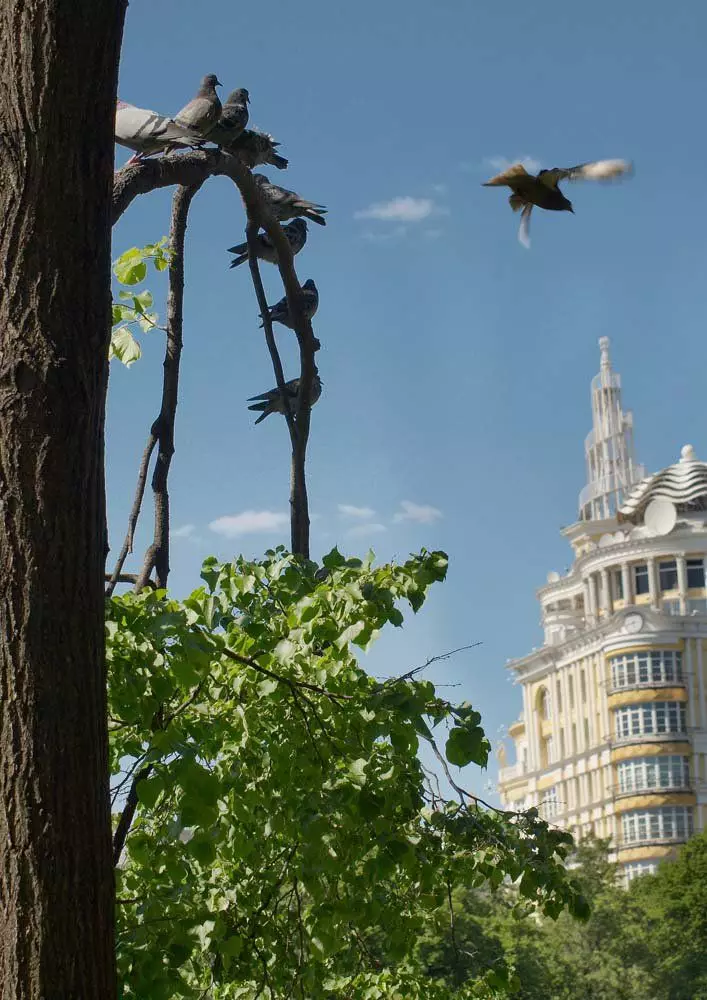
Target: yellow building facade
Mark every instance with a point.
(612, 738)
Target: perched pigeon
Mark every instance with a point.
(272, 401)
(203, 111)
(146, 132)
(233, 120)
(296, 233)
(280, 312)
(255, 149)
(288, 204)
(543, 190)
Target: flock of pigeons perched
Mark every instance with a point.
(204, 119)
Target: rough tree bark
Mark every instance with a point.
(58, 77)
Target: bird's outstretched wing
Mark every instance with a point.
(597, 170)
(509, 175)
(524, 231)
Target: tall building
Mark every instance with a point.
(612, 738)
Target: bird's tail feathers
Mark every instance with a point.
(278, 161)
(516, 202)
(239, 260)
(315, 215)
(238, 248)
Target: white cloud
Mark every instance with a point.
(401, 209)
(499, 163)
(419, 513)
(439, 188)
(250, 522)
(363, 513)
(363, 530)
(185, 531)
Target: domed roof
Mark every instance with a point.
(683, 484)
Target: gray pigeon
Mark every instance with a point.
(233, 120)
(296, 233)
(257, 148)
(146, 132)
(288, 204)
(543, 189)
(203, 111)
(280, 313)
(272, 401)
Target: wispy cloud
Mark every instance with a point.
(185, 531)
(499, 163)
(401, 209)
(362, 513)
(364, 530)
(249, 522)
(439, 188)
(419, 513)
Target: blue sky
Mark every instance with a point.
(455, 363)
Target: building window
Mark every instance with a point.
(646, 720)
(618, 585)
(640, 579)
(570, 680)
(637, 868)
(544, 704)
(671, 606)
(558, 697)
(666, 823)
(586, 733)
(655, 666)
(583, 686)
(648, 773)
(668, 575)
(697, 606)
(574, 738)
(562, 744)
(549, 804)
(695, 573)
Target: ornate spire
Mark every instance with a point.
(611, 462)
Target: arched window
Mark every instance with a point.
(543, 704)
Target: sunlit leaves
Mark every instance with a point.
(286, 836)
(132, 309)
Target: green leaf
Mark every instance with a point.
(150, 789)
(465, 746)
(123, 346)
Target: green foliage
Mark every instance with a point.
(133, 308)
(287, 841)
(647, 943)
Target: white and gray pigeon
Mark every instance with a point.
(233, 120)
(280, 312)
(146, 132)
(203, 111)
(256, 149)
(272, 401)
(288, 204)
(296, 233)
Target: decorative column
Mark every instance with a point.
(682, 582)
(626, 581)
(593, 597)
(607, 603)
(587, 601)
(653, 589)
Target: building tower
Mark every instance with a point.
(612, 738)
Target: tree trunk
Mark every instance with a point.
(58, 77)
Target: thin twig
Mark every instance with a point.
(292, 684)
(427, 663)
(157, 555)
(134, 516)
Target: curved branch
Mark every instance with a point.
(157, 555)
(117, 575)
(188, 169)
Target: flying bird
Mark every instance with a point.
(296, 233)
(146, 132)
(256, 149)
(203, 111)
(280, 312)
(272, 401)
(543, 189)
(233, 119)
(288, 204)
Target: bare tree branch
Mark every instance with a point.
(128, 814)
(157, 555)
(134, 516)
(189, 169)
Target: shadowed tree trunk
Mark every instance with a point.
(58, 72)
